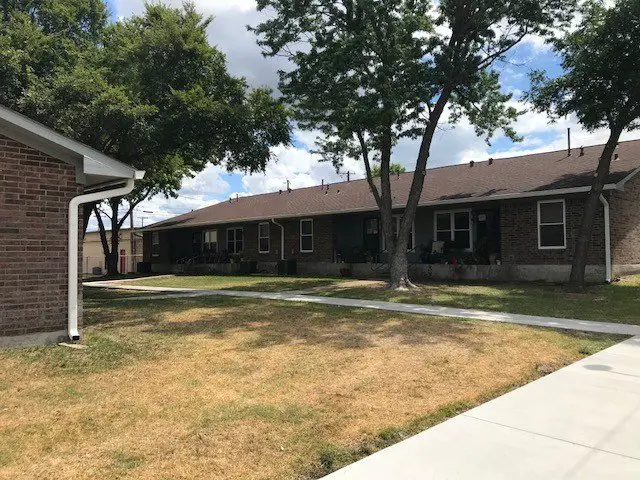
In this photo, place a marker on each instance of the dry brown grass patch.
(229, 388)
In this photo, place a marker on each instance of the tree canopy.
(156, 95)
(148, 90)
(600, 85)
(40, 39)
(367, 73)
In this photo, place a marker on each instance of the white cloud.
(555, 138)
(538, 44)
(301, 168)
(224, 5)
(207, 182)
(296, 164)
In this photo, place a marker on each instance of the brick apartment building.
(41, 173)
(506, 219)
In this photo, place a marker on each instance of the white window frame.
(306, 235)
(564, 224)
(452, 225)
(155, 241)
(235, 241)
(397, 219)
(204, 240)
(268, 237)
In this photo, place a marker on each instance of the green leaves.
(148, 90)
(394, 169)
(601, 59)
(367, 73)
(380, 67)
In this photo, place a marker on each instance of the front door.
(487, 244)
(371, 243)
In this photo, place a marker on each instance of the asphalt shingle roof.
(483, 181)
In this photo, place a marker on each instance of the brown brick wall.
(322, 240)
(251, 242)
(519, 232)
(625, 224)
(176, 244)
(35, 191)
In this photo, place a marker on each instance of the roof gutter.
(72, 288)
(281, 237)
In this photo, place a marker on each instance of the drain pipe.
(273, 220)
(607, 239)
(72, 289)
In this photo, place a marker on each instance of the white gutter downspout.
(281, 237)
(72, 290)
(607, 238)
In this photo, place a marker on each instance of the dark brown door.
(371, 243)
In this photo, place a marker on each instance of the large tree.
(601, 87)
(370, 72)
(40, 38)
(152, 92)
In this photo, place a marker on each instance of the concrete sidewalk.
(432, 310)
(581, 422)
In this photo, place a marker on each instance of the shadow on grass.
(272, 323)
(284, 286)
(95, 294)
(241, 282)
(610, 303)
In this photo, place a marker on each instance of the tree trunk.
(112, 255)
(399, 270)
(581, 252)
(87, 210)
(397, 247)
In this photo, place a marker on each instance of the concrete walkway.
(432, 310)
(581, 422)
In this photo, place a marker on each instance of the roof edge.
(89, 160)
(455, 201)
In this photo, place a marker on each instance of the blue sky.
(451, 145)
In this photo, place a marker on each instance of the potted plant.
(458, 268)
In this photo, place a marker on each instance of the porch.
(469, 236)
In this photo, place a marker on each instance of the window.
(235, 240)
(210, 241)
(454, 226)
(552, 225)
(263, 237)
(395, 225)
(155, 244)
(371, 226)
(306, 235)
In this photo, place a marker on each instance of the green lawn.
(619, 302)
(95, 294)
(231, 388)
(236, 282)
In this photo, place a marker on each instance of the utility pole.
(142, 217)
(348, 174)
